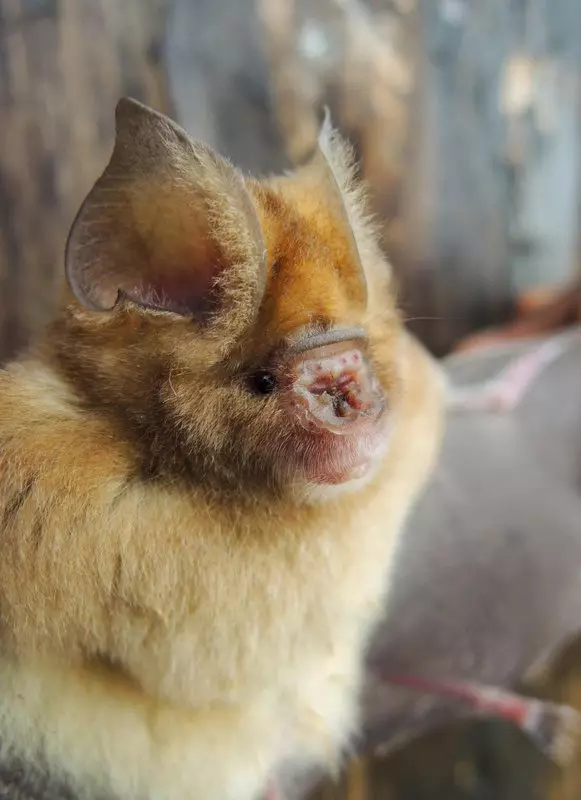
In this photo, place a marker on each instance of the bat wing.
(487, 575)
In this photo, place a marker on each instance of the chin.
(336, 465)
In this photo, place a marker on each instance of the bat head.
(241, 332)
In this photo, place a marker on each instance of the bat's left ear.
(331, 166)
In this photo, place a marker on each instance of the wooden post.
(63, 66)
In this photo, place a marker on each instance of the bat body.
(205, 464)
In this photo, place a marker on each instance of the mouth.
(326, 458)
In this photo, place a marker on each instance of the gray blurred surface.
(488, 577)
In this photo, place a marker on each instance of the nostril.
(340, 406)
(344, 381)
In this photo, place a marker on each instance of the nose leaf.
(336, 392)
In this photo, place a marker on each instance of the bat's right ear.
(169, 225)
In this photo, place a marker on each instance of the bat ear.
(331, 167)
(169, 225)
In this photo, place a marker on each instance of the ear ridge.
(167, 224)
(335, 156)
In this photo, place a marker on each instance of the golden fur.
(179, 614)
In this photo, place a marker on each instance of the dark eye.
(263, 382)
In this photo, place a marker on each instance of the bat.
(206, 462)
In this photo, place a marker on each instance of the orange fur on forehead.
(313, 272)
(317, 234)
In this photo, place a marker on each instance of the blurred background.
(465, 115)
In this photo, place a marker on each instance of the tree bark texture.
(63, 66)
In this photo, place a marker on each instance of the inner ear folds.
(169, 225)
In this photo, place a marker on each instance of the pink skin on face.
(338, 406)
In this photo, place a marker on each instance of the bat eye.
(263, 382)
